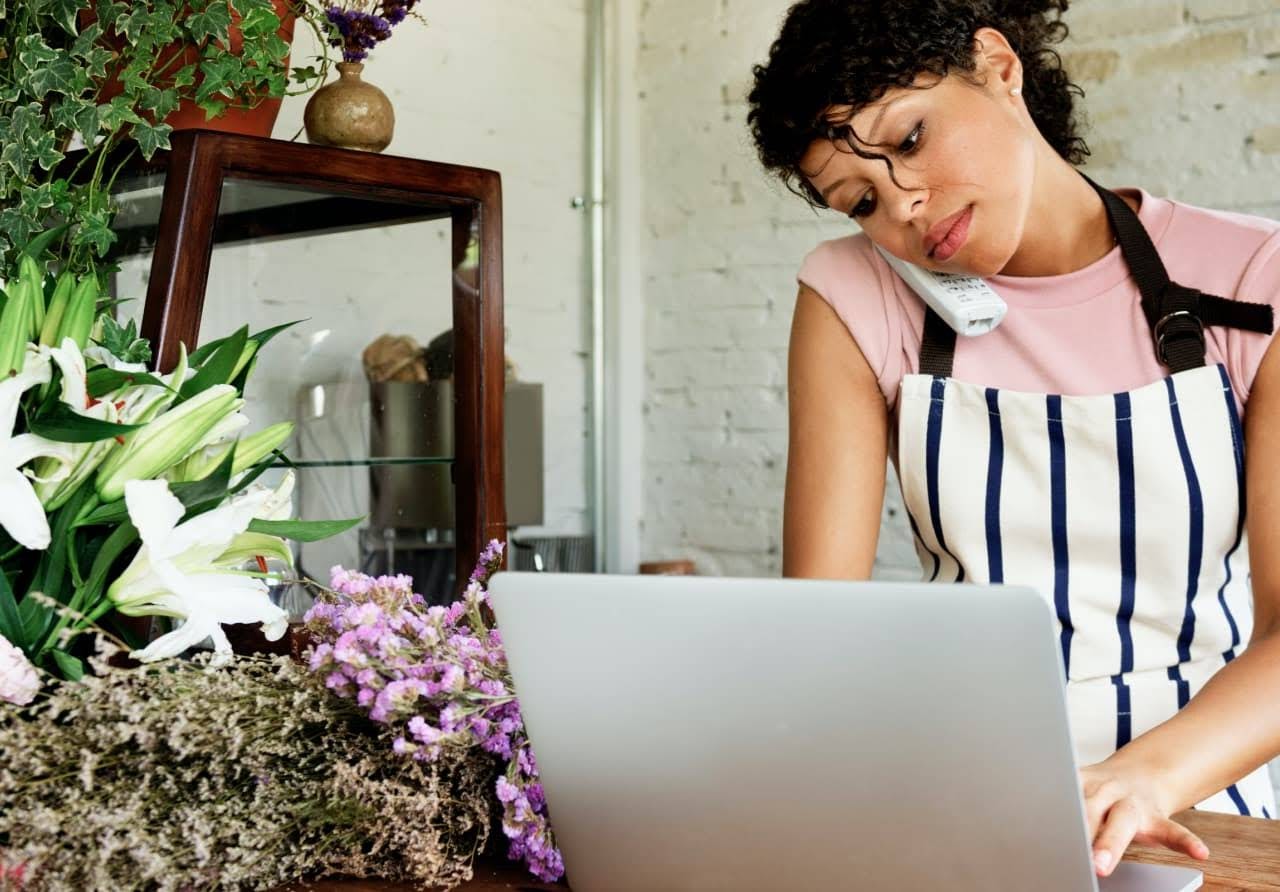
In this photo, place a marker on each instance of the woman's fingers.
(1173, 835)
(1118, 829)
(1098, 799)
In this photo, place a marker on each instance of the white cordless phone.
(966, 303)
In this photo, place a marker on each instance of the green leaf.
(304, 530)
(219, 367)
(37, 246)
(11, 626)
(61, 424)
(103, 381)
(37, 620)
(63, 12)
(33, 53)
(259, 21)
(211, 22)
(264, 336)
(122, 341)
(110, 513)
(201, 495)
(151, 137)
(72, 667)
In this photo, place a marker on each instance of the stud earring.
(1016, 91)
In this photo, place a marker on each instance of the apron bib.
(1126, 511)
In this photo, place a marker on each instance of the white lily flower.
(85, 457)
(21, 513)
(191, 570)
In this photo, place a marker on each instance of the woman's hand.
(1123, 804)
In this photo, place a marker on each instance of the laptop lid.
(705, 733)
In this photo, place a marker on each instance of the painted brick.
(1214, 10)
(1199, 50)
(1091, 65)
(1265, 139)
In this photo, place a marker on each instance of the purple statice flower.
(359, 30)
(395, 11)
(436, 677)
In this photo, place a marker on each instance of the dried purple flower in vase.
(360, 29)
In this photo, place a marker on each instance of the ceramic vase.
(350, 113)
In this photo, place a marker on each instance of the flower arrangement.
(128, 492)
(437, 676)
(179, 776)
(385, 755)
(357, 26)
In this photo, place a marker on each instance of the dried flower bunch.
(360, 25)
(438, 678)
(178, 775)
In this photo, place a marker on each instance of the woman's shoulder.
(1224, 243)
(851, 276)
(847, 261)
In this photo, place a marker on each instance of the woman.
(1091, 445)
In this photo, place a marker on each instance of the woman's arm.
(1233, 724)
(838, 446)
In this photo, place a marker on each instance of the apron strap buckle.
(1178, 324)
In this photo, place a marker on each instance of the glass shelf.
(365, 462)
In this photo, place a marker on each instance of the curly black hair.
(851, 52)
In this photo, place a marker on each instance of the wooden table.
(1245, 856)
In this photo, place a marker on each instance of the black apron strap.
(938, 348)
(1177, 314)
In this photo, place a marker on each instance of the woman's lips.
(945, 249)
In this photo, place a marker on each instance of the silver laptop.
(753, 734)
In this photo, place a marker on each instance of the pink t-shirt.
(1079, 333)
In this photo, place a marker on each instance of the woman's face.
(956, 147)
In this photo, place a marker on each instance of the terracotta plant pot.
(350, 113)
(256, 121)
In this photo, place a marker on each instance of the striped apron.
(1125, 511)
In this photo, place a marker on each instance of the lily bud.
(31, 273)
(250, 450)
(57, 308)
(82, 309)
(165, 441)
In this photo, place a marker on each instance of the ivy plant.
(106, 73)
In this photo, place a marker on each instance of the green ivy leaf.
(87, 121)
(95, 231)
(63, 12)
(151, 137)
(33, 53)
(258, 21)
(122, 341)
(212, 22)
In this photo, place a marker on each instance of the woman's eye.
(906, 147)
(862, 208)
(912, 142)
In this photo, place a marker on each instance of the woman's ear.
(996, 59)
